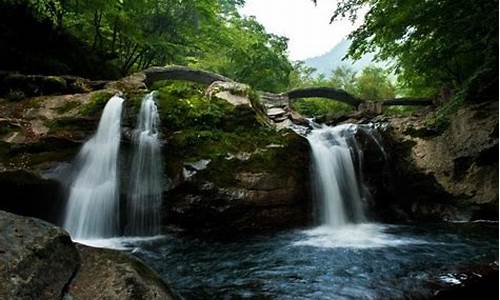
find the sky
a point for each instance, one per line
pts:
(307, 26)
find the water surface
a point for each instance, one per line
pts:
(365, 261)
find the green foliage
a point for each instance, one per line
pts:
(400, 111)
(435, 44)
(373, 83)
(345, 79)
(301, 75)
(126, 36)
(313, 107)
(240, 48)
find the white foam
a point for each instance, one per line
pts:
(118, 243)
(359, 236)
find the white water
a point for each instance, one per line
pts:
(336, 187)
(92, 210)
(145, 186)
(339, 191)
(358, 236)
(120, 243)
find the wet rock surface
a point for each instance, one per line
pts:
(467, 283)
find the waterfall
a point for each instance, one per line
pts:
(145, 185)
(336, 183)
(92, 210)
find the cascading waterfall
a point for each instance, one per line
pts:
(336, 186)
(145, 186)
(92, 210)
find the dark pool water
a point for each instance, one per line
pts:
(367, 261)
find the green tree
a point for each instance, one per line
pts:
(374, 84)
(241, 49)
(131, 35)
(301, 76)
(436, 44)
(343, 78)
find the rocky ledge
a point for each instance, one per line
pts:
(256, 173)
(435, 175)
(39, 261)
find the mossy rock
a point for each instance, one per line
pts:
(249, 185)
(97, 102)
(67, 107)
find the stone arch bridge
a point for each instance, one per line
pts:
(175, 72)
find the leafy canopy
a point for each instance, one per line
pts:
(436, 44)
(130, 35)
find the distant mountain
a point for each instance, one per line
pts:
(329, 61)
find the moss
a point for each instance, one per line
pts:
(184, 105)
(202, 128)
(71, 126)
(134, 101)
(97, 102)
(67, 107)
(195, 144)
(440, 120)
(35, 102)
(61, 123)
(281, 161)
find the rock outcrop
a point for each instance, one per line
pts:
(256, 163)
(266, 189)
(237, 171)
(39, 261)
(109, 274)
(432, 175)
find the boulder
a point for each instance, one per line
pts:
(39, 261)
(110, 274)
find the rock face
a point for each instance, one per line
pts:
(452, 175)
(44, 129)
(39, 261)
(267, 189)
(243, 175)
(258, 169)
(109, 274)
(26, 193)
